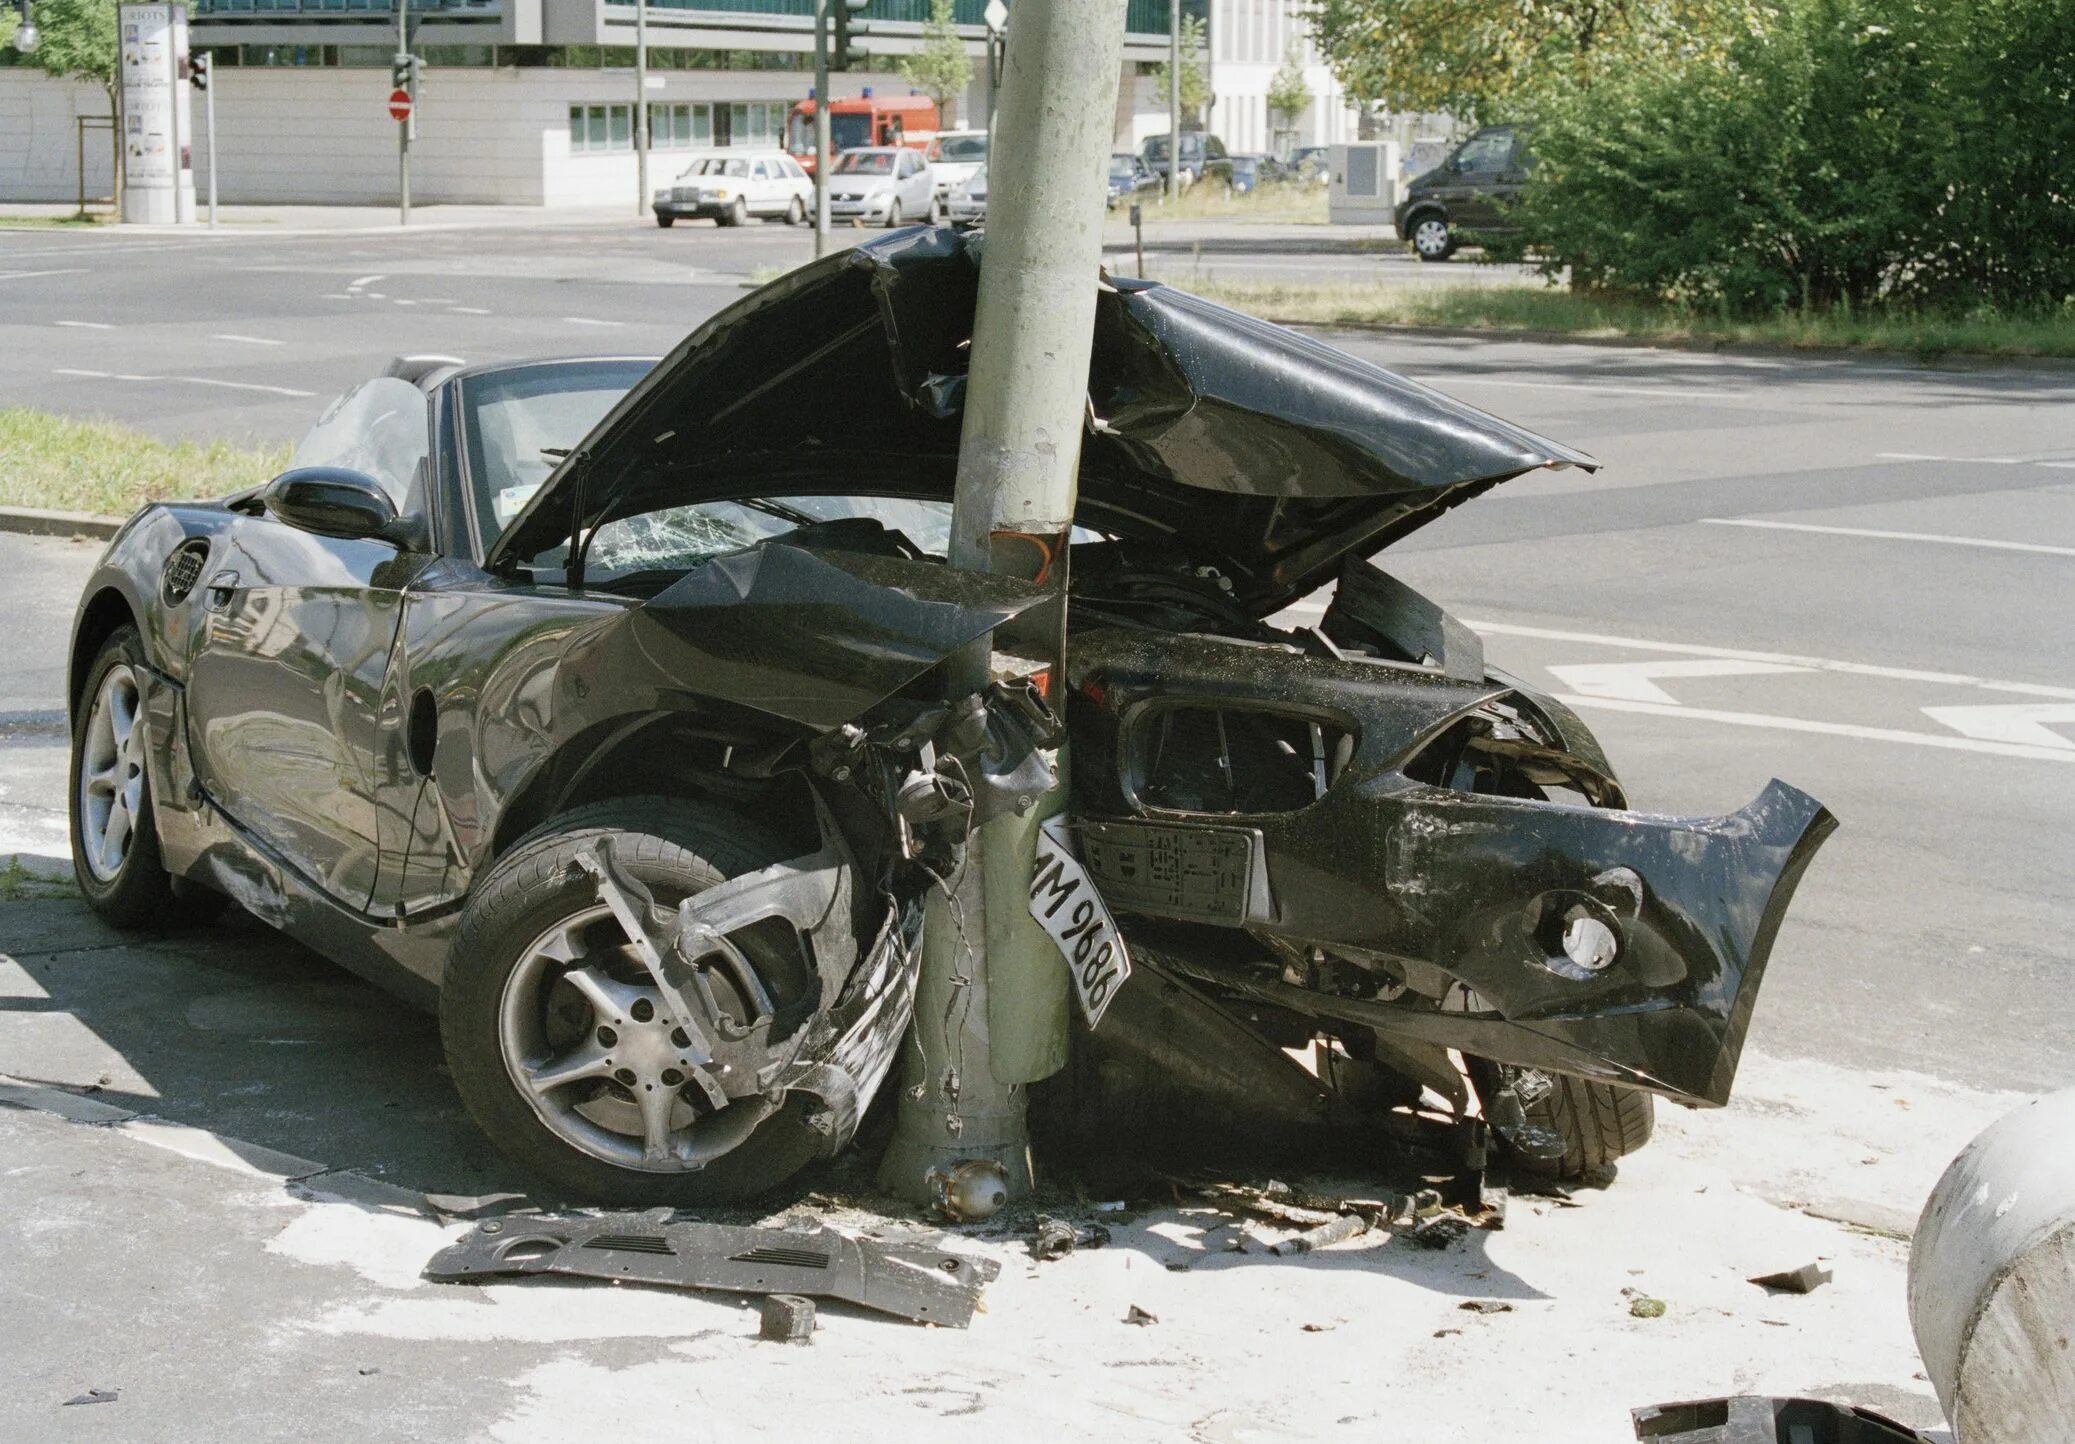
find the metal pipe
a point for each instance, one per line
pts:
(821, 126)
(403, 127)
(991, 1004)
(640, 107)
(1174, 99)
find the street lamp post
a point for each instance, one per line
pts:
(640, 106)
(26, 37)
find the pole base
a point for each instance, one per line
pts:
(921, 1144)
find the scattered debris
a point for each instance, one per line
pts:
(94, 1396)
(925, 1285)
(1440, 1231)
(1444, 1333)
(1320, 1328)
(1057, 1237)
(1140, 1317)
(1115, 1205)
(1485, 1306)
(788, 1319)
(1756, 1419)
(1804, 1280)
(1339, 1230)
(371, 1369)
(1642, 1306)
(969, 1191)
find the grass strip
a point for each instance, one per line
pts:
(68, 464)
(1529, 308)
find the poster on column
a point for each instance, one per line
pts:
(157, 115)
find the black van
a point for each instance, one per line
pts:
(1465, 197)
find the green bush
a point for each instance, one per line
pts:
(1843, 153)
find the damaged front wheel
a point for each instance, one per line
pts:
(1557, 1126)
(565, 1050)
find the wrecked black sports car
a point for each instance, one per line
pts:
(600, 705)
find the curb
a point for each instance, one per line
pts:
(1934, 361)
(36, 521)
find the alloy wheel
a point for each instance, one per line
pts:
(111, 774)
(588, 1042)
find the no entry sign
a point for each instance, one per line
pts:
(399, 105)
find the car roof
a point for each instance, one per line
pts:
(874, 150)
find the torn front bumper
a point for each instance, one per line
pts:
(1588, 940)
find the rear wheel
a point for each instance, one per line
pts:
(115, 845)
(561, 1045)
(666, 222)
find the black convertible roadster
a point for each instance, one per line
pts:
(601, 704)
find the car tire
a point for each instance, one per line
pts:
(796, 213)
(893, 215)
(738, 214)
(1599, 1123)
(132, 889)
(666, 222)
(676, 848)
(1432, 238)
(936, 211)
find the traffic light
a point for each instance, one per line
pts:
(198, 70)
(403, 72)
(840, 57)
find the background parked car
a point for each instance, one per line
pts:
(728, 187)
(955, 156)
(1203, 155)
(1312, 164)
(885, 185)
(1128, 178)
(967, 203)
(1465, 197)
(1249, 173)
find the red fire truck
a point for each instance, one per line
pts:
(858, 120)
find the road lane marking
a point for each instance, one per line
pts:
(2023, 723)
(1631, 681)
(470, 311)
(188, 380)
(364, 282)
(1816, 664)
(248, 340)
(85, 325)
(1439, 382)
(1969, 460)
(1916, 536)
(589, 321)
(2063, 753)
(32, 275)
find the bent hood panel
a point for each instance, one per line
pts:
(815, 637)
(1263, 452)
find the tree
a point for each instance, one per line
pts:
(1482, 60)
(78, 41)
(1288, 95)
(1195, 72)
(941, 69)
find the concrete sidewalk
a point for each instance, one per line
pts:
(277, 221)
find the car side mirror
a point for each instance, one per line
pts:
(333, 501)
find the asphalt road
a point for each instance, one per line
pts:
(1854, 576)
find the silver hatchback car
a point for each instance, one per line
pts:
(884, 185)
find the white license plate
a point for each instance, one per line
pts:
(1067, 906)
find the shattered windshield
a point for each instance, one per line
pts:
(676, 539)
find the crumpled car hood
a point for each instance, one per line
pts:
(1261, 452)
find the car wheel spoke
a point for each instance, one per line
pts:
(611, 1001)
(102, 782)
(587, 1061)
(656, 1100)
(115, 834)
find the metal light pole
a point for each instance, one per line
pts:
(640, 107)
(991, 1003)
(1174, 99)
(209, 119)
(403, 127)
(821, 126)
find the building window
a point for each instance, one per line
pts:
(758, 122)
(600, 127)
(680, 126)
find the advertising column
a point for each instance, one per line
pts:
(157, 119)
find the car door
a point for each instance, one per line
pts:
(914, 188)
(1473, 186)
(766, 196)
(285, 678)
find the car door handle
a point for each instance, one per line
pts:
(222, 587)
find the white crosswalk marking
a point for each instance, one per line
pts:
(1631, 681)
(2025, 722)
